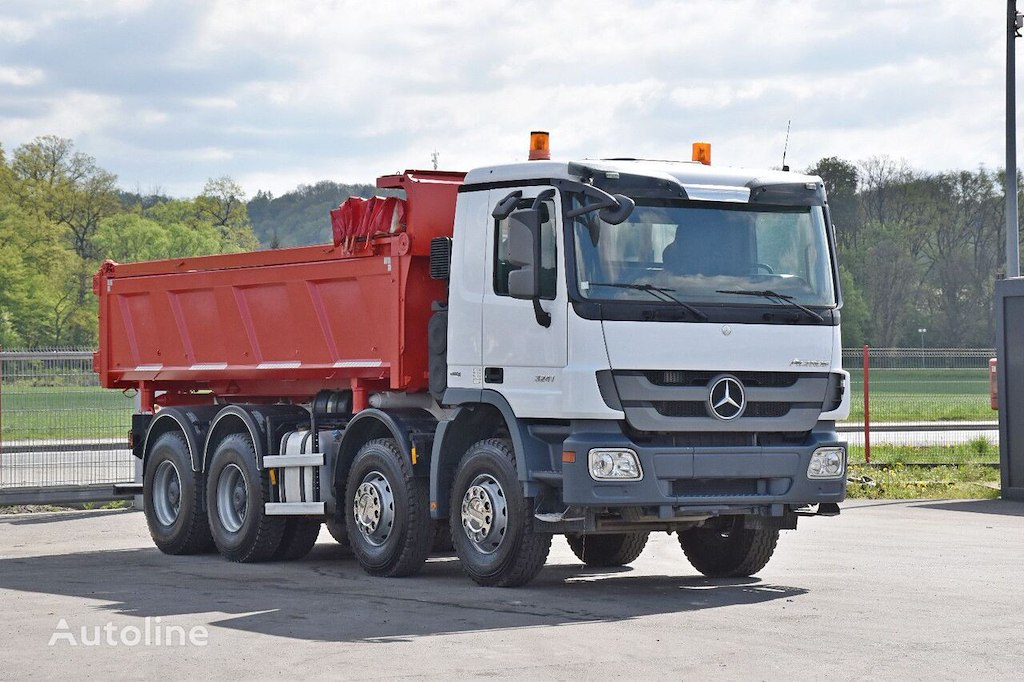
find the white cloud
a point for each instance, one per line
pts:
(20, 77)
(73, 114)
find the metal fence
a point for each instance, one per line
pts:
(62, 437)
(924, 405)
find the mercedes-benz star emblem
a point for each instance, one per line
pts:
(726, 399)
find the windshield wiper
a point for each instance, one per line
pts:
(660, 293)
(784, 299)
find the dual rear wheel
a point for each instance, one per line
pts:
(233, 519)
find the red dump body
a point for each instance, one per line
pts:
(284, 323)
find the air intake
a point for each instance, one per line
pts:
(440, 257)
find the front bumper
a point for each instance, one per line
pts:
(677, 477)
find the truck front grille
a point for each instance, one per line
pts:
(692, 408)
(674, 401)
(675, 377)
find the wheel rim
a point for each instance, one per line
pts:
(232, 498)
(374, 508)
(485, 513)
(166, 493)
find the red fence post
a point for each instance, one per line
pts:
(867, 411)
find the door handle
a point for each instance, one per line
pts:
(494, 375)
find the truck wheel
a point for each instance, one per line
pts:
(340, 534)
(387, 511)
(723, 548)
(616, 549)
(171, 498)
(299, 537)
(490, 518)
(236, 491)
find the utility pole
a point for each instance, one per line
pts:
(1014, 21)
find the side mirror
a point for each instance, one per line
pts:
(614, 215)
(524, 252)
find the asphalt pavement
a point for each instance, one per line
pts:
(888, 590)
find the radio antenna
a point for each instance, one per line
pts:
(785, 148)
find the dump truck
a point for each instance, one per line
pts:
(598, 349)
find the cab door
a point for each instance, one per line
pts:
(522, 359)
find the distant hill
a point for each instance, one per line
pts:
(301, 216)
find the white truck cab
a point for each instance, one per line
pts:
(663, 338)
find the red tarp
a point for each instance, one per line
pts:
(363, 218)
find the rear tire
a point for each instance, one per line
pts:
(235, 494)
(299, 538)
(491, 521)
(615, 549)
(724, 548)
(387, 512)
(172, 494)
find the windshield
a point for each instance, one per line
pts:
(706, 252)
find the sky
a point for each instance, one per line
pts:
(276, 93)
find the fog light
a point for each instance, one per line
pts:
(614, 464)
(827, 463)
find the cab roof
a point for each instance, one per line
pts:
(701, 182)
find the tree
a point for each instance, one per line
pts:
(127, 237)
(222, 204)
(60, 214)
(888, 265)
(841, 178)
(961, 249)
(67, 187)
(856, 313)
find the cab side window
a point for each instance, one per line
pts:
(548, 253)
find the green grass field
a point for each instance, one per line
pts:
(977, 451)
(922, 395)
(63, 413)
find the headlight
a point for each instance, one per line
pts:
(614, 464)
(827, 463)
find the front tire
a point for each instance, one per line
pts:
(491, 521)
(615, 549)
(172, 495)
(387, 512)
(235, 494)
(725, 548)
